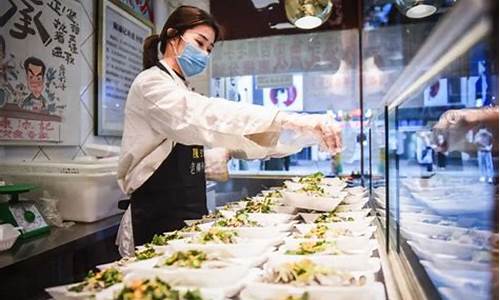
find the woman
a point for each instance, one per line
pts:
(167, 125)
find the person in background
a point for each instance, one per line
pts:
(483, 139)
(441, 147)
(167, 127)
(427, 152)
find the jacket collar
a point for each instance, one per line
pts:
(174, 75)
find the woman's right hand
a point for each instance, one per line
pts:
(322, 128)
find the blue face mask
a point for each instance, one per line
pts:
(192, 60)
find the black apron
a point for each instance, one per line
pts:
(175, 192)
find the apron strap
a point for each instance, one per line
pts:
(162, 67)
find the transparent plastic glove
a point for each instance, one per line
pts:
(305, 130)
(216, 164)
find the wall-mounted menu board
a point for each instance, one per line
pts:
(121, 34)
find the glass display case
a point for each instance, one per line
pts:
(434, 158)
(418, 104)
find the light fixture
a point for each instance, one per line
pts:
(417, 9)
(308, 14)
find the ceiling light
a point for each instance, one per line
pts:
(417, 9)
(308, 14)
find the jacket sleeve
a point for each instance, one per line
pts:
(192, 119)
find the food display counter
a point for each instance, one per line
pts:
(309, 238)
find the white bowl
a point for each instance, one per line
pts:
(352, 207)
(457, 250)
(302, 200)
(422, 232)
(335, 181)
(357, 191)
(203, 277)
(230, 250)
(265, 291)
(61, 293)
(348, 246)
(356, 215)
(293, 186)
(262, 218)
(356, 228)
(479, 282)
(357, 264)
(353, 199)
(442, 261)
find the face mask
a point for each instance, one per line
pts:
(192, 60)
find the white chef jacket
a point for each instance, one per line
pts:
(162, 111)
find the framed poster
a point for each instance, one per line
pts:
(39, 72)
(121, 34)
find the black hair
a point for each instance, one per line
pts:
(34, 61)
(183, 18)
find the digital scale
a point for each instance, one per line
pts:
(23, 214)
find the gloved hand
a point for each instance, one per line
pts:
(455, 124)
(309, 128)
(456, 119)
(216, 164)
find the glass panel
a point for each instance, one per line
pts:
(443, 150)
(302, 73)
(449, 178)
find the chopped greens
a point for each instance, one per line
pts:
(217, 235)
(155, 289)
(313, 247)
(146, 253)
(95, 282)
(187, 259)
(238, 220)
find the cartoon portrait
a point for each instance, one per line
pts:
(39, 52)
(35, 74)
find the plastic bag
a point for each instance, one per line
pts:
(48, 208)
(125, 236)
